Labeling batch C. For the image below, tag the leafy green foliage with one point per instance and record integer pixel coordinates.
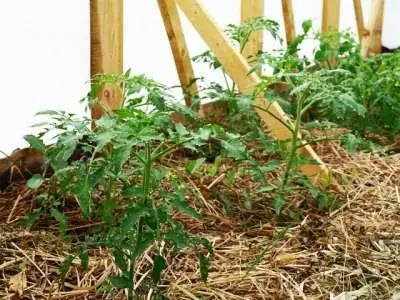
(121, 162)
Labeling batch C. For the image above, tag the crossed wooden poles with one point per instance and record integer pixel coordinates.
(107, 54)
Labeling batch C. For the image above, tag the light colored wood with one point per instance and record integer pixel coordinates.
(251, 9)
(372, 41)
(183, 63)
(106, 50)
(288, 18)
(237, 68)
(358, 11)
(330, 15)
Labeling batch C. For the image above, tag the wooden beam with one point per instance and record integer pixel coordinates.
(330, 15)
(106, 50)
(251, 9)
(372, 41)
(358, 11)
(183, 63)
(237, 68)
(288, 18)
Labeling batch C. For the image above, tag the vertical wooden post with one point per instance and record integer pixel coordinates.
(358, 11)
(330, 22)
(173, 27)
(330, 15)
(288, 18)
(106, 50)
(372, 41)
(237, 68)
(251, 9)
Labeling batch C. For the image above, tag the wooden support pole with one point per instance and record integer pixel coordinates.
(251, 9)
(330, 16)
(106, 50)
(288, 18)
(173, 27)
(358, 11)
(237, 68)
(372, 41)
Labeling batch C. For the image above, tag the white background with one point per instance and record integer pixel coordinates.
(44, 52)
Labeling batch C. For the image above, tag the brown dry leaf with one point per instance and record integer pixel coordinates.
(285, 258)
(17, 283)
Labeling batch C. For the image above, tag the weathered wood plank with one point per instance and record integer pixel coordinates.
(251, 9)
(173, 27)
(288, 18)
(372, 41)
(330, 15)
(358, 12)
(106, 50)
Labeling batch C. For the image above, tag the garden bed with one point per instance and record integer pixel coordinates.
(351, 252)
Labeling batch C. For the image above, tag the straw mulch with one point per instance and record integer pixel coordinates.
(351, 252)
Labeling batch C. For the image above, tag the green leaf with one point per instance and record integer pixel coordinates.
(307, 25)
(32, 217)
(35, 143)
(234, 149)
(120, 282)
(204, 266)
(193, 165)
(179, 238)
(119, 259)
(267, 189)
(65, 266)
(146, 240)
(103, 138)
(133, 192)
(133, 214)
(279, 201)
(119, 156)
(180, 203)
(84, 197)
(272, 165)
(157, 100)
(107, 207)
(62, 220)
(159, 265)
(84, 257)
(204, 133)
(181, 130)
(96, 175)
(35, 181)
(47, 112)
(230, 177)
(350, 142)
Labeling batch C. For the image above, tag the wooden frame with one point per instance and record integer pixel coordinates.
(183, 63)
(106, 57)
(372, 41)
(288, 18)
(358, 11)
(237, 68)
(251, 9)
(330, 15)
(106, 53)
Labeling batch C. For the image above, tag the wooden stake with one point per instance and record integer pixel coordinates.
(330, 15)
(251, 9)
(288, 18)
(237, 68)
(372, 41)
(106, 53)
(358, 11)
(173, 27)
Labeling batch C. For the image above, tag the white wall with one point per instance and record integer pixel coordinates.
(44, 54)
